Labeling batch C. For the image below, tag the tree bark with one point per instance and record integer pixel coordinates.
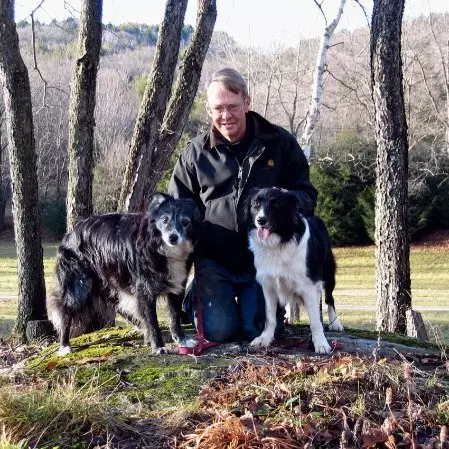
(40, 331)
(392, 242)
(152, 108)
(3, 190)
(183, 94)
(19, 121)
(81, 114)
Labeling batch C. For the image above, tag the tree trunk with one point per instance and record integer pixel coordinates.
(152, 108)
(19, 121)
(2, 186)
(392, 242)
(318, 80)
(184, 93)
(81, 114)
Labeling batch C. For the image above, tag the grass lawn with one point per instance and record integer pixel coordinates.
(356, 276)
(8, 267)
(355, 286)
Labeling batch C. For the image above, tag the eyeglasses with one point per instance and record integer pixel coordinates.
(231, 108)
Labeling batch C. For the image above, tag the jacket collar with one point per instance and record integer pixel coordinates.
(263, 130)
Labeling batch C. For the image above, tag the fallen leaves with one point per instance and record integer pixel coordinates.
(339, 401)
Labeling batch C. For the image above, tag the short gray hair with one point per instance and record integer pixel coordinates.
(232, 79)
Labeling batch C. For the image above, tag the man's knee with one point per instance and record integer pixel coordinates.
(220, 320)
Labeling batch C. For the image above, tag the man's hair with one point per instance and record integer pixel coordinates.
(232, 79)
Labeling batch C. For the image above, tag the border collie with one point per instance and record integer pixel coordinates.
(124, 262)
(293, 260)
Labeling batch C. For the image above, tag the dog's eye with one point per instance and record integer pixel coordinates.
(165, 219)
(256, 203)
(185, 221)
(274, 203)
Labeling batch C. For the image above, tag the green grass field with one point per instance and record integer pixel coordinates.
(355, 289)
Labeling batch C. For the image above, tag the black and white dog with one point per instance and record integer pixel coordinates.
(124, 262)
(293, 260)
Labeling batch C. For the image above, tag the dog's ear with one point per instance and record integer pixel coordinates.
(295, 206)
(156, 199)
(247, 205)
(195, 209)
(292, 201)
(252, 192)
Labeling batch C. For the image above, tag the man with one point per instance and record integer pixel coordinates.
(241, 151)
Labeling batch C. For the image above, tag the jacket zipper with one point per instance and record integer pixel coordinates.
(240, 182)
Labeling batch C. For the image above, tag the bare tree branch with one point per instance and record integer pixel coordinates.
(35, 66)
(319, 5)
(429, 92)
(364, 13)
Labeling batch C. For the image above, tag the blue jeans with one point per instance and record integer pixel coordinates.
(233, 305)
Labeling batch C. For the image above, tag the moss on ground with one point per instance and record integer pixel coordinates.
(392, 338)
(172, 379)
(116, 359)
(132, 377)
(100, 346)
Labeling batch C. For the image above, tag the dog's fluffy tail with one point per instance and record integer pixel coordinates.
(74, 278)
(72, 302)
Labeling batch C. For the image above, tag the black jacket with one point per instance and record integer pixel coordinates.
(210, 173)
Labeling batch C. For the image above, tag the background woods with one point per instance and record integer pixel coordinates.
(344, 141)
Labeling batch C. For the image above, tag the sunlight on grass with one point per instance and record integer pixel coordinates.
(61, 409)
(8, 313)
(356, 276)
(8, 267)
(7, 438)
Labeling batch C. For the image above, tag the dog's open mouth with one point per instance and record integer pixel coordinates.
(263, 233)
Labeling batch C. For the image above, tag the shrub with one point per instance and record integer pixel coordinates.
(428, 205)
(339, 204)
(140, 83)
(54, 215)
(344, 176)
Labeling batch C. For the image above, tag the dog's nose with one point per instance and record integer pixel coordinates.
(262, 221)
(173, 238)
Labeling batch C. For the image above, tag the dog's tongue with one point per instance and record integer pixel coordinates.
(263, 233)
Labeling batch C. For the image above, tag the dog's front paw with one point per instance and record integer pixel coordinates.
(160, 350)
(336, 326)
(64, 350)
(262, 341)
(188, 342)
(322, 346)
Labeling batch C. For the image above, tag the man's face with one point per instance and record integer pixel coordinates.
(227, 111)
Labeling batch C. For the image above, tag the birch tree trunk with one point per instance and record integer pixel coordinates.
(2, 184)
(19, 122)
(317, 86)
(183, 94)
(81, 114)
(152, 108)
(392, 243)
